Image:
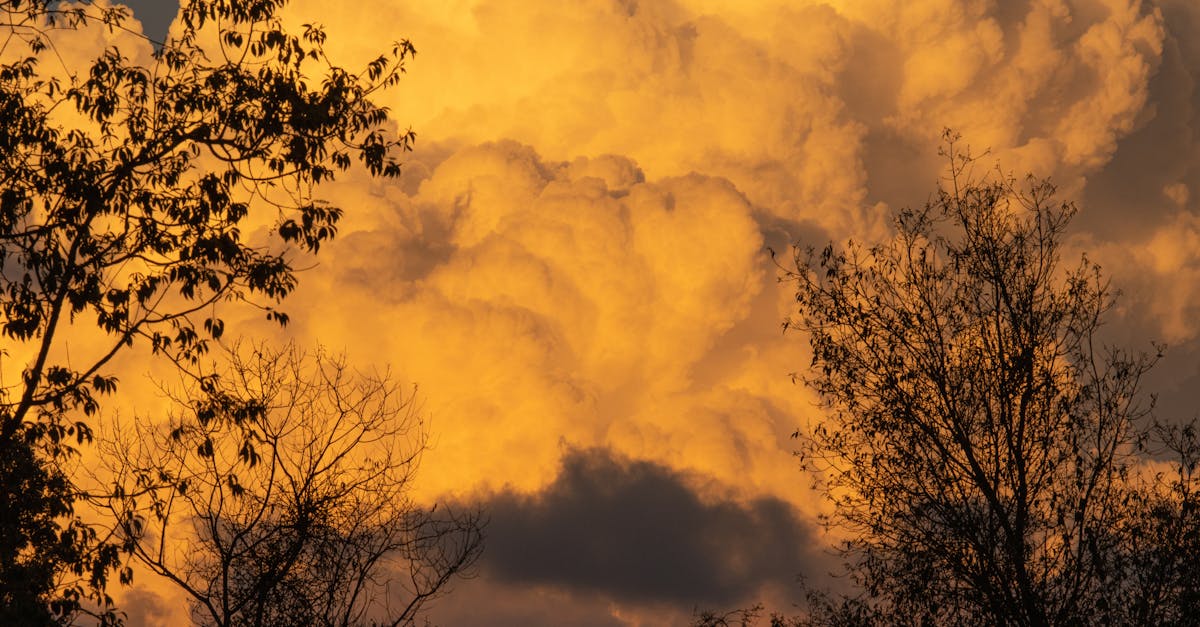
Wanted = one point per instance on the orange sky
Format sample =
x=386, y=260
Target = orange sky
x=573, y=266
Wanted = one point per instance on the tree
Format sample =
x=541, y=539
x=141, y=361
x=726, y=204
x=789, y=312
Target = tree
x=982, y=452
x=1161, y=527
x=38, y=494
x=289, y=475
x=123, y=192
x=747, y=617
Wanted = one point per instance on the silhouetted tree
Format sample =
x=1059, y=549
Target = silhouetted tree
x=38, y=493
x=1161, y=529
x=278, y=495
x=735, y=618
x=984, y=455
x=123, y=191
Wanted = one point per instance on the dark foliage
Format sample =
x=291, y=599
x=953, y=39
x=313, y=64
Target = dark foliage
x=984, y=454
x=35, y=495
x=123, y=191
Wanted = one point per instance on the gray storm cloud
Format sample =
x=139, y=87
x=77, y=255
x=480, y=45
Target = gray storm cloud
x=614, y=532
x=636, y=530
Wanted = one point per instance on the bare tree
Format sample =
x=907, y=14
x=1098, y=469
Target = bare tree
x=1159, y=581
x=278, y=494
x=981, y=449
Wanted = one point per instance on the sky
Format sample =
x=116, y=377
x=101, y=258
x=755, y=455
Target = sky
x=574, y=267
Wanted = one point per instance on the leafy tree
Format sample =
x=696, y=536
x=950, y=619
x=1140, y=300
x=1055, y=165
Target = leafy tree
x=36, y=495
x=278, y=495
x=985, y=456
x=123, y=194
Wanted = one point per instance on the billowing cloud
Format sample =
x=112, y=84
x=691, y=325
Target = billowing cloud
x=677, y=91
x=539, y=301
x=577, y=255
x=575, y=258
x=808, y=108
x=1140, y=211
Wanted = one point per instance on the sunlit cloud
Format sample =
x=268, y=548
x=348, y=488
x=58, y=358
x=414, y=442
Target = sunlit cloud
x=576, y=257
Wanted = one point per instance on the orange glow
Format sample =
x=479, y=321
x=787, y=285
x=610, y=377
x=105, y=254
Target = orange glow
x=577, y=256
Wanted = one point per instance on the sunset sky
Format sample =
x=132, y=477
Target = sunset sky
x=574, y=265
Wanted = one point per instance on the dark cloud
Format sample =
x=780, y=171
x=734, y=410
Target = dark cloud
x=155, y=15
x=636, y=531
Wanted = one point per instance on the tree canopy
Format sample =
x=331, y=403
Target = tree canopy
x=986, y=456
x=125, y=191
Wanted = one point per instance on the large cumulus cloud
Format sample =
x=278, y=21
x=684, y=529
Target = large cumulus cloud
x=539, y=301
x=622, y=298
x=822, y=113
x=576, y=255
x=804, y=106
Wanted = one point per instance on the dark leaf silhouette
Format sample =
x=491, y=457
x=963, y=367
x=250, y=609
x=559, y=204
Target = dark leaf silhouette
x=985, y=454
x=123, y=191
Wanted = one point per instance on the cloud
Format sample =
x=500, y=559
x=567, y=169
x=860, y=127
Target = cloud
x=575, y=257
x=622, y=298
x=674, y=90
x=536, y=301
x=638, y=531
x=1139, y=212
x=146, y=608
x=802, y=106
x=577, y=254
x=154, y=15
